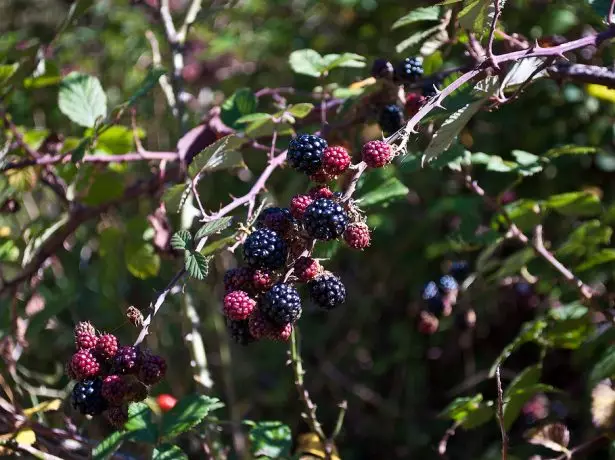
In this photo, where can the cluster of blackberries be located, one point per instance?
(261, 299)
(109, 376)
(440, 296)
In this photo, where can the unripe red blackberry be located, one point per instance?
(335, 160)
(282, 304)
(298, 205)
(414, 102)
(127, 360)
(428, 323)
(106, 348)
(85, 336)
(152, 369)
(306, 268)
(377, 154)
(320, 191)
(69, 371)
(239, 278)
(281, 333)
(262, 280)
(321, 177)
(357, 235)
(238, 305)
(114, 389)
(327, 291)
(117, 416)
(166, 402)
(84, 365)
(258, 325)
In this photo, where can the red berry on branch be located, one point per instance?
(85, 336)
(166, 402)
(335, 160)
(357, 235)
(298, 205)
(321, 177)
(107, 347)
(414, 102)
(84, 365)
(262, 280)
(320, 191)
(377, 154)
(238, 305)
(306, 268)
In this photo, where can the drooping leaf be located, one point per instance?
(585, 239)
(306, 62)
(6, 72)
(604, 368)
(270, 439)
(82, 99)
(107, 447)
(197, 265)
(187, 413)
(428, 13)
(219, 155)
(301, 110)
(452, 126)
(148, 83)
(212, 227)
(416, 38)
(181, 239)
(253, 117)
(578, 204)
(106, 186)
(168, 452)
(388, 190)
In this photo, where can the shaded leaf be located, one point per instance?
(388, 190)
(479, 416)
(333, 61)
(585, 238)
(253, 117)
(105, 187)
(76, 10)
(428, 13)
(604, 368)
(150, 80)
(109, 445)
(197, 265)
(181, 240)
(187, 413)
(215, 226)
(602, 257)
(242, 102)
(306, 62)
(140, 424)
(141, 260)
(530, 332)
(219, 155)
(270, 439)
(580, 204)
(168, 452)
(522, 70)
(6, 72)
(513, 401)
(416, 38)
(82, 99)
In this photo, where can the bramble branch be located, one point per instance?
(500, 414)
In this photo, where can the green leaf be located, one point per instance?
(81, 149)
(6, 72)
(470, 412)
(187, 413)
(571, 150)
(82, 99)
(168, 452)
(528, 163)
(76, 10)
(585, 239)
(604, 368)
(197, 265)
(578, 204)
(306, 62)
(514, 263)
(270, 439)
(479, 416)
(175, 197)
(529, 332)
(473, 15)
(388, 190)
(265, 127)
(333, 61)
(106, 448)
(416, 38)
(253, 117)
(242, 102)
(105, 187)
(513, 401)
(212, 227)
(148, 83)
(432, 63)
(452, 126)
(141, 259)
(181, 240)
(116, 140)
(521, 72)
(219, 155)
(523, 213)
(428, 13)
(602, 257)
(140, 425)
(301, 110)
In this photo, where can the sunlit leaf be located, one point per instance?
(82, 99)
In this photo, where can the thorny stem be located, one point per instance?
(500, 414)
(496, 17)
(298, 372)
(582, 447)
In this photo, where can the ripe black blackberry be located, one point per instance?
(327, 291)
(305, 153)
(127, 360)
(382, 68)
(431, 295)
(409, 70)
(282, 304)
(447, 284)
(264, 248)
(325, 219)
(459, 269)
(87, 397)
(277, 219)
(239, 331)
(391, 119)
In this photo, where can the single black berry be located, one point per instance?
(264, 248)
(391, 119)
(409, 70)
(447, 284)
(87, 397)
(382, 68)
(276, 219)
(327, 291)
(305, 153)
(239, 331)
(282, 304)
(127, 360)
(325, 219)
(431, 295)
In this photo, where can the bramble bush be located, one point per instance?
(346, 229)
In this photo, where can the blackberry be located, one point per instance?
(277, 219)
(106, 348)
(382, 68)
(414, 102)
(335, 160)
(409, 70)
(391, 119)
(114, 389)
(262, 280)
(459, 270)
(377, 154)
(84, 365)
(87, 397)
(264, 248)
(325, 219)
(357, 235)
(298, 205)
(282, 304)
(428, 323)
(305, 153)
(447, 284)
(306, 268)
(238, 279)
(320, 191)
(321, 177)
(85, 336)
(127, 360)
(258, 325)
(152, 369)
(239, 331)
(238, 305)
(327, 291)
(117, 416)
(431, 295)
